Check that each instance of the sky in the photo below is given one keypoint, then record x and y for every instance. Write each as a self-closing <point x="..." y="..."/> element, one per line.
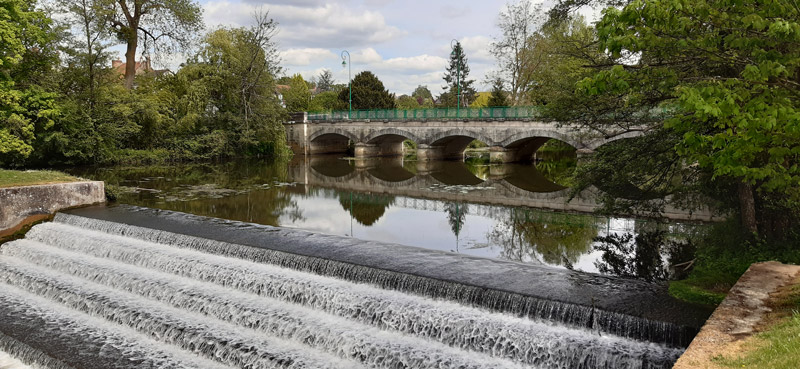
<point x="406" y="43"/>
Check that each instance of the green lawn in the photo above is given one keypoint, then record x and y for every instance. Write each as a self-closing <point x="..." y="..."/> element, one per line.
<point x="11" y="178"/>
<point x="779" y="346"/>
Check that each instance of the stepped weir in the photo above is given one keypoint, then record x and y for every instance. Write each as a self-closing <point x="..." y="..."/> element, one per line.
<point x="131" y="287"/>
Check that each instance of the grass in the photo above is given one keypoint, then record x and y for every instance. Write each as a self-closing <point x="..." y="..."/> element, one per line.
<point x="778" y="346"/>
<point x="12" y="178"/>
<point x="691" y="291"/>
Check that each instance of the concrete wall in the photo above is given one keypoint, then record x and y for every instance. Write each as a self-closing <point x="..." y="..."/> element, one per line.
<point x="28" y="203"/>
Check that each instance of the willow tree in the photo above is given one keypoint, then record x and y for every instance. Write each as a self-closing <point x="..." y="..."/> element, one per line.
<point x="161" y="25"/>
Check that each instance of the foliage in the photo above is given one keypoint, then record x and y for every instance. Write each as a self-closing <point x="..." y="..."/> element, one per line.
<point x="640" y="255"/>
<point x="561" y="55"/>
<point x="498" y="96"/>
<point x="458" y="87"/>
<point x="481" y="100"/>
<point x="368" y="93"/>
<point x="26" y="109"/>
<point x="422" y="92"/>
<point x="726" y="72"/>
<point x="326" y="101"/>
<point x="297" y="96"/>
<point x="406" y="102"/>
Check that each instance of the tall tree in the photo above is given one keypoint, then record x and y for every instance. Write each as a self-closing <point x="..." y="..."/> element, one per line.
<point x="725" y="75"/>
<point x="297" y="97"/>
<point x="459" y="86"/>
<point x="238" y="68"/>
<point x="518" y="22"/>
<point x="368" y="93"/>
<point x="87" y="50"/>
<point x="498" y="97"/>
<point x="160" y="24"/>
<point x="26" y="108"/>
<point x="325" y="81"/>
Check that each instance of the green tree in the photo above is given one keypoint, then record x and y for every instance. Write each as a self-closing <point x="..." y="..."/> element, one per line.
<point x="161" y="25"/>
<point x="297" y="96"/>
<point x="227" y="93"/>
<point x="498" y="97"/>
<point x="406" y="102"/>
<point x="459" y="86"/>
<point x="725" y="74"/>
<point x="368" y="93"/>
<point x="326" y="101"/>
<point x="421" y="92"/>
<point x="26" y="108"/>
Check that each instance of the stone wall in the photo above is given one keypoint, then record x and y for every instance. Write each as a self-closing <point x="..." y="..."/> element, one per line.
<point x="19" y="205"/>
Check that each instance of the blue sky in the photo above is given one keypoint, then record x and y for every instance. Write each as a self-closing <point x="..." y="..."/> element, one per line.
<point x="405" y="43"/>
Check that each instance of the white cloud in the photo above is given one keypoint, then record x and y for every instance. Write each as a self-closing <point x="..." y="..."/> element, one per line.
<point x="366" y="56"/>
<point x="305" y="56"/>
<point x="477" y="49"/>
<point x="328" y="25"/>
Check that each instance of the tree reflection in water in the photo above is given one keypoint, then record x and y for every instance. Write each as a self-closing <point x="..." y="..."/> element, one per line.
<point x="456" y="215"/>
<point x="365" y="208"/>
<point x="647" y="254"/>
<point x="552" y="238"/>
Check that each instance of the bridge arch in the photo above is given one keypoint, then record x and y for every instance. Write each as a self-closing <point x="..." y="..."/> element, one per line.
<point x="332" y="132"/>
<point x="373" y="137"/>
<point x="518" y="138"/>
<point x="330" y="141"/>
<point x="437" y="138"/>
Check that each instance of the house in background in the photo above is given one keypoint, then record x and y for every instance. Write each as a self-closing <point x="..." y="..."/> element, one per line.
<point x="142" y="67"/>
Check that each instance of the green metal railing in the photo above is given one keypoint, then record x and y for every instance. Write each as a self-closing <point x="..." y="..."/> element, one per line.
<point x="435" y="113"/>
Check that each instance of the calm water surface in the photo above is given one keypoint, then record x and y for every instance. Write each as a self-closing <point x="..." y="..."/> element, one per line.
<point x="496" y="211"/>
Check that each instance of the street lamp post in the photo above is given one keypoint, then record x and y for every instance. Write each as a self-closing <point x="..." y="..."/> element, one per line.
<point x="453" y="45"/>
<point x="347" y="62"/>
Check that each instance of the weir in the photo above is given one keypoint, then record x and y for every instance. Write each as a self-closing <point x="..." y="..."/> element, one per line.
<point x="131" y="287"/>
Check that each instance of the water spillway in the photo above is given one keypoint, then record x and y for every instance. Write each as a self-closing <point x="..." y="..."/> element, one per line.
<point x="91" y="290"/>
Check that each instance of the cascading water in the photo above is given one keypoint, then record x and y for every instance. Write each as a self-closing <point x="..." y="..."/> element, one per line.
<point x="87" y="293"/>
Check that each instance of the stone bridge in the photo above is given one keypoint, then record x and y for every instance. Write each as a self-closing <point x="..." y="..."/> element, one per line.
<point x="509" y="140"/>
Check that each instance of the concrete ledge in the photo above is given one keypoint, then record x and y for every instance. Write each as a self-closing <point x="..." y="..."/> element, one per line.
<point x="20" y="205"/>
<point x="738" y="315"/>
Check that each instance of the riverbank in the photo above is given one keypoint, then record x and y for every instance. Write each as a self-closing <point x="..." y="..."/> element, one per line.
<point x="756" y="326"/>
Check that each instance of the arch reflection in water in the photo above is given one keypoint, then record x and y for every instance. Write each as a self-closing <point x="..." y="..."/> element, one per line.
<point x="497" y="211"/>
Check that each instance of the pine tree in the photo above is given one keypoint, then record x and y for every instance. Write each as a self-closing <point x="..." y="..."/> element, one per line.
<point x="498" y="97"/>
<point x="456" y="76"/>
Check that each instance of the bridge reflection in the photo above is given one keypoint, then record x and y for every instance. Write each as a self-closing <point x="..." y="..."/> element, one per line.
<point x="502" y="184"/>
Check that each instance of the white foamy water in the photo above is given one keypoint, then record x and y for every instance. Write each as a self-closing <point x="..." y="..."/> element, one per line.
<point x="224" y="311"/>
<point x="8" y="362"/>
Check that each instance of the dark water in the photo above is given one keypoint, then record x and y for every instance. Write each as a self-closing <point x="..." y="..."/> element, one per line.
<point x="510" y="212"/>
